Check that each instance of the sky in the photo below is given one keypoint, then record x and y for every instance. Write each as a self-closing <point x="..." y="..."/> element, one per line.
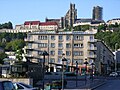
<point x="19" y="11"/>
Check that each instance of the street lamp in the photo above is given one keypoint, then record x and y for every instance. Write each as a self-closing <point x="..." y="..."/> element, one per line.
<point x="76" y="72"/>
<point x="115" y="57"/>
<point x="86" y="63"/>
<point x="92" y="69"/>
<point x="44" y="54"/>
<point x="63" y="59"/>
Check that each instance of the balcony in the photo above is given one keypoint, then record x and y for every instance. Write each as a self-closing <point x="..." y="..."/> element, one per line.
<point x="29" y="56"/>
<point x="92" y="48"/>
<point x="92" y="56"/>
<point x="29" y="48"/>
<point x="29" y="40"/>
<point x="92" y="41"/>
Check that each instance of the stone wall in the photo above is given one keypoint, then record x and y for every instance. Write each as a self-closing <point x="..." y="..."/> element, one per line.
<point x="28" y="81"/>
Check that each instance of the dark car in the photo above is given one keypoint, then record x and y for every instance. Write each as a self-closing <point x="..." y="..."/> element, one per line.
<point x="6" y="85"/>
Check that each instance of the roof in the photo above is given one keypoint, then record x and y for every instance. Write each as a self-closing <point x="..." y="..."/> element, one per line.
<point x="48" y="23"/>
<point x="83" y="20"/>
<point x="32" y="22"/>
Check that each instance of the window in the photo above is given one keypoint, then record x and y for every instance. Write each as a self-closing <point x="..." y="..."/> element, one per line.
<point x="52" y="52"/>
<point x="60" y="45"/>
<point x="60" y="37"/>
<point x="68" y="53"/>
<point x="42" y="45"/>
<point x="78" y="53"/>
<point x="90" y="60"/>
<point x="91" y="53"/>
<point x="68" y="60"/>
<point x="52" y="60"/>
<point x="91" y="38"/>
<point x="78" y="37"/>
<point x="77" y="45"/>
<point x="52" y="45"/>
<point x="29" y="45"/>
<point x="80" y="61"/>
<point x="29" y="37"/>
<point x="40" y="52"/>
<point x="60" y="52"/>
<point x="68" y="37"/>
<point x="68" y="45"/>
<point x="59" y="60"/>
<point x="91" y="46"/>
<point x="42" y="37"/>
<point x="29" y="52"/>
<point x="52" y="37"/>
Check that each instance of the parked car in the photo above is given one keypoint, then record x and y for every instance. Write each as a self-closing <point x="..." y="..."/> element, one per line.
<point x="23" y="86"/>
<point x="113" y="74"/>
<point x="6" y="85"/>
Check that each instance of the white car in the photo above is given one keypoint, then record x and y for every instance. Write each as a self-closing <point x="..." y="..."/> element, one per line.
<point x="23" y="86"/>
<point x="113" y="74"/>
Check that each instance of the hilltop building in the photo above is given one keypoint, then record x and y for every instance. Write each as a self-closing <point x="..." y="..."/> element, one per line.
<point x="114" y="21"/>
<point x="97" y="13"/>
<point x="68" y="20"/>
<point x="37" y="25"/>
<point x="88" y="21"/>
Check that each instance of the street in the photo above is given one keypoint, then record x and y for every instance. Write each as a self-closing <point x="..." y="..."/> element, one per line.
<point x="111" y="84"/>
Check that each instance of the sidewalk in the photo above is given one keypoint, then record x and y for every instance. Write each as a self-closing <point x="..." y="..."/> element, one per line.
<point x="81" y="85"/>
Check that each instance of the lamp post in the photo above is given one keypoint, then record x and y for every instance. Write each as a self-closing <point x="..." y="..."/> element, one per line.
<point x="86" y="63"/>
<point x="44" y="54"/>
<point x="76" y="72"/>
<point x="115" y="58"/>
<point x="63" y="59"/>
<point x="92" y="69"/>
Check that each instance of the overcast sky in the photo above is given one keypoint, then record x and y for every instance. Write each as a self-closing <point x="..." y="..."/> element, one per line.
<point x="18" y="11"/>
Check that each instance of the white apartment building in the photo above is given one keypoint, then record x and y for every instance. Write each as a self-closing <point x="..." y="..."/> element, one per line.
<point x="113" y="21"/>
<point x="76" y="45"/>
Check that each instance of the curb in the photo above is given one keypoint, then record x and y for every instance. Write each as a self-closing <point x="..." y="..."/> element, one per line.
<point x="98" y="86"/>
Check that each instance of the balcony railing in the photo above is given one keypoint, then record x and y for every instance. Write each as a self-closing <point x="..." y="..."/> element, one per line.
<point x="92" y="41"/>
<point x="92" y="48"/>
<point x="28" y="40"/>
<point x="92" y="56"/>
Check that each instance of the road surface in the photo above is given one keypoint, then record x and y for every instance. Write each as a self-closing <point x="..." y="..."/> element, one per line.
<point x="110" y="85"/>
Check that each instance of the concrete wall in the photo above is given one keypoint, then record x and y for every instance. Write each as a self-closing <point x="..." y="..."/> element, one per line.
<point x="28" y="81"/>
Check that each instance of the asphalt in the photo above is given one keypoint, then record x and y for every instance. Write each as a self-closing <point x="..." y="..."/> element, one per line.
<point x="80" y="83"/>
<point x="88" y="85"/>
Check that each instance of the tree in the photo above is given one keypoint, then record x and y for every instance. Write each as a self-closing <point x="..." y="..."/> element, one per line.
<point x="10" y="25"/>
<point x="19" y="55"/>
<point x="2" y="56"/>
<point x="15" y="45"/>
<point x="102" y="27"/>
<point x="6" y="26"/>
<point x="110" y="38"/>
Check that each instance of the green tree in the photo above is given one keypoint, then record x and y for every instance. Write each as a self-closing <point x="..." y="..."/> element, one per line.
<point x="19" y="55"/>
<point x="2" y="56"/>
<point x="15" y="45"/>
<point x="102" y="27"/>
<point x="6" y="26"/>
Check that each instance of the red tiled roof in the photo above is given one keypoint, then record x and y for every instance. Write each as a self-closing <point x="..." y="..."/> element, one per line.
<point x="48" y="23"/>
<point x="32" y="22"/>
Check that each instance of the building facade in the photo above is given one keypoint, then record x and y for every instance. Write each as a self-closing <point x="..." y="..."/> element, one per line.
<point x="97" y="13"/>
<point x="105" y="59"/>
<point x="37" y="25"/>
<point x="76" y="45"/>
<point x="114" y="21"/>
